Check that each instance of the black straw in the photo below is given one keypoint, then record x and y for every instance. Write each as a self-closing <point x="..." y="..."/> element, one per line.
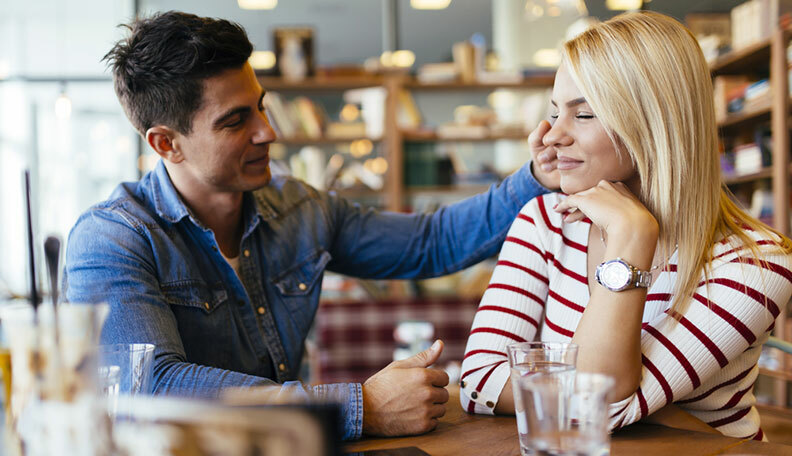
<point x="34" y="299"/>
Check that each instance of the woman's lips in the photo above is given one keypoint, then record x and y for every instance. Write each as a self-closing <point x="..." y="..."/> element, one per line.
<point x="568" y="163"/>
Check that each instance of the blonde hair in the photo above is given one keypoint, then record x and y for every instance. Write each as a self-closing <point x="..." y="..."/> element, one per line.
<point x="645" y="77"/>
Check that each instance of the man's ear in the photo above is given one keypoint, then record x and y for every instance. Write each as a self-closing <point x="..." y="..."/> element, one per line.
<point x="161" y="139"/>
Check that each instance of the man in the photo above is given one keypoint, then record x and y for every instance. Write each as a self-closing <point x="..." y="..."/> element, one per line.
<point x="220" y="266"/>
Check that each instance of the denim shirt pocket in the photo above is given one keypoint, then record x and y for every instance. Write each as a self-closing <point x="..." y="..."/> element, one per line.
<point x="299" y="280"/>
<point x="193" y="293"/>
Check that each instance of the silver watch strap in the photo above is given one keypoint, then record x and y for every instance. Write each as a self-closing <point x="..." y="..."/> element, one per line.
<point x="642" y="278"/>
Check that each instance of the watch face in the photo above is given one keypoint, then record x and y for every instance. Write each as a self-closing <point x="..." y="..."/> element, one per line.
<point x="615" y="275"/>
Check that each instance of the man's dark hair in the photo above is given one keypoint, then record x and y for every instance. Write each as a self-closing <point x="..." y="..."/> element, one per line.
<point x="158" y="70"/>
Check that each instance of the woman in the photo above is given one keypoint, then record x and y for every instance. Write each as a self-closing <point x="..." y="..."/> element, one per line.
<point x="633" y="128"/>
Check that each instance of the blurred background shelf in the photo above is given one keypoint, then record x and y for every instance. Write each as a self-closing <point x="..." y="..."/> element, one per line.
<point x="746" y="60"/>
<point x="434" y="137"/>
<point x="775" y="373"/>
<point x="319" y="84"/>
<point x="531" y="82"/>
<point x="746" y="118"/>
<point x="305" y="140"/>
<point x="765" y="173"/>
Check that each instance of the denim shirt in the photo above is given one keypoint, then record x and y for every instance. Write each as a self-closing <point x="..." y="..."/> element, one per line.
<point x="161" y="271"/>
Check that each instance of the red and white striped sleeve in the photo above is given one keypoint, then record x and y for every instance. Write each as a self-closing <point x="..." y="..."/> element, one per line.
<point x="731" y="313"/>
<point x="510" y="310"/>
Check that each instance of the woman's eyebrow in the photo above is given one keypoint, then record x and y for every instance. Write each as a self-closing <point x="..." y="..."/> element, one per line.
<point x="571" y="103"/>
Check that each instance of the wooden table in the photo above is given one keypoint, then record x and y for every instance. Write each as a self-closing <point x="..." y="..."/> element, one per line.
<point x="462" y="434"/>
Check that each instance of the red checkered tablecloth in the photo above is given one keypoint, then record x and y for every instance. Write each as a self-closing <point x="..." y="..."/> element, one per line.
<point x="355" y="338"/>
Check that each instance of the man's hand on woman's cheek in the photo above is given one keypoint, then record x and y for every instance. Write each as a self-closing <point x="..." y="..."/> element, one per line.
<point x="545" y="160"/>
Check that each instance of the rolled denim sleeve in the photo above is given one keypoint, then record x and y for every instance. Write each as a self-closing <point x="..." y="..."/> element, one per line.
<point x="109" y="259"/>
<point x="350" y="397"/>
<point x="374" y="244"/>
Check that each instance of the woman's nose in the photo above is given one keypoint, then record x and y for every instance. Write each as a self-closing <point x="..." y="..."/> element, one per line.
<point x="557" y="135"/>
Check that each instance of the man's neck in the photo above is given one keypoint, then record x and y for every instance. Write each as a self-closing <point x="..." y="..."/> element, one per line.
<point x="219" y="211"/>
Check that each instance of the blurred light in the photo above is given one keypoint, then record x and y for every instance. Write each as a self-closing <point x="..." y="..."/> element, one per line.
<point x="360" y="148"/>
<point x="277" y="151"/>
<point x="100" y="132"/>
<point x="547" y="57"/>
<point x="379" y="165"/>
<point x="257" y="4"/>
<point x="386" y="59"/>
<point x="430" y="4"/>
<point x="554" y="11"/>
<point x="350" y="113"/>
<point x="376" y="165"/>
<point x="404" y="58"/>
<point x="5" y="69"/>
<point x="147" y="162"/>
<point x="123" y="144"/>
<point x="502" y="99"/>
<point x="623" y="5"/>
<point x="262" y="60"/>
<point x="63" y="106"/>
<point x="336" y="161"/>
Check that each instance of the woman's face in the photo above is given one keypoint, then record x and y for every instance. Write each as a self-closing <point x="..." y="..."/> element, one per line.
<point x="586" y="155"/>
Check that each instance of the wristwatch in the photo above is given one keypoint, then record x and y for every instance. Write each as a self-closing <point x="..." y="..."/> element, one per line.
<point x="619" y="275"/>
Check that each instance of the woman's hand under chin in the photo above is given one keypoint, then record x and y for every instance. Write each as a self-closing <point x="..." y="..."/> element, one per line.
<point x="613" y="208"/>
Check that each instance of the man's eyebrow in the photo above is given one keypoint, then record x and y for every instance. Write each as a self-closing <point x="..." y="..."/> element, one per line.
<point x="571" y="103"/>
<point x="235" y="111"/>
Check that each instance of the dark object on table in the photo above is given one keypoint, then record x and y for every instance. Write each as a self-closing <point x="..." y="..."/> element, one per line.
<point x="405" y="451"/>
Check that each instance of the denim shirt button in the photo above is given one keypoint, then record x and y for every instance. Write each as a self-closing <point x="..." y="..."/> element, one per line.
<point x="302" y="286"/>
<point x="247" y="253"/>
<point x="262" y="311"/>
<point x="206" y="305"/>
<point x="282" y="367"/>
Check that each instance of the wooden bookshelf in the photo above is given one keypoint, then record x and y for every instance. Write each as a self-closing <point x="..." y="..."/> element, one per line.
<point x="306" y="140"/>
<point x="746" y="118"/>
<point x="764" y="173"/>
<point x="761" y="59"/>
<point x="543" y="80"/>
<point x="319" y="84"/>
<point x="776" y="373"/>
<point x="433" y="137"/>
<point x="743" y="61"/>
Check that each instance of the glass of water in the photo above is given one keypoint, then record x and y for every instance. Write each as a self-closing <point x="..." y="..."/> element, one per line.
<point x="528" y="358"/>
<point x="567" y="413"/>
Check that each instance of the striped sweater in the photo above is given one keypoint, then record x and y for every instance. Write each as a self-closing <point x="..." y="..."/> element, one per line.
<point x="706" y="362"/>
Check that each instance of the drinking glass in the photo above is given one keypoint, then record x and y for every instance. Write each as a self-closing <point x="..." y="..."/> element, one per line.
<point x="528" y="358"/>
<point x="567" y="413"/>
<point x="54" y="406"/>
<point x="124" y="371"/>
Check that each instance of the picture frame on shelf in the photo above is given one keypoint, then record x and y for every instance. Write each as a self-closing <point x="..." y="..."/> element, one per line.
<point x="294" y="52"/>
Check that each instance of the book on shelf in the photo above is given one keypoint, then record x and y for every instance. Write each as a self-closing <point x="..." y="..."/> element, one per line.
<point x="437" y="73"/>
<point x="724" y="86"/>
<point x="311" y="117"/>
<point x="456" y="130"/>
<point x="345" y="130"/>
<point x="408" y="115"/>
<point x="754" y="20"/>
<point x="300" y="117"/>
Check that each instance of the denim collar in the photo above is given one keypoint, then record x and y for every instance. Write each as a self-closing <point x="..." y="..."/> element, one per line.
<point x="169" y="205"/>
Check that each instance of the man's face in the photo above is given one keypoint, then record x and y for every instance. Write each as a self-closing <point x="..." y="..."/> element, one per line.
<point x="228" y="147"/>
